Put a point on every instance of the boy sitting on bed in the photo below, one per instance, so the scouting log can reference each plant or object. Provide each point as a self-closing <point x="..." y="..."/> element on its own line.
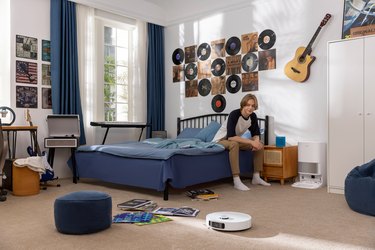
<point x="229" y="135"/>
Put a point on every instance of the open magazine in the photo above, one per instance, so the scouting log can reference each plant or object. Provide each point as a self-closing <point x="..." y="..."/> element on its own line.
<point x="177" y="211"/>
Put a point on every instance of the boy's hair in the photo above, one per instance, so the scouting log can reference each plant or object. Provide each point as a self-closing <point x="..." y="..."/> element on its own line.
<point x="248" y="97"/>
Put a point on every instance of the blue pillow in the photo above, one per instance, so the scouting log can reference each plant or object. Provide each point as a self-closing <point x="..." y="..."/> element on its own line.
<point x="189" y="133"/>
<point x="208" y="133"/>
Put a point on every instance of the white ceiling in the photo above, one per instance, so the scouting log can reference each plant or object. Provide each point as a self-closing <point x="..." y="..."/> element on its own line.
<point x="164" y="12"/>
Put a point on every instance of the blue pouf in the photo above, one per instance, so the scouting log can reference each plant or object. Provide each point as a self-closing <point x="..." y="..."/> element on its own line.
<point x="360" y="188"/>
<point x="83" y="212"/>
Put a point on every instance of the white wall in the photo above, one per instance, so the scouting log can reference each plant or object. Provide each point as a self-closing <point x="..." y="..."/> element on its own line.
<point x="299" y="108"/>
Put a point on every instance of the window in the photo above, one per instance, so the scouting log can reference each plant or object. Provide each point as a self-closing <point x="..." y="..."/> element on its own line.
<point x="115" y="48"/>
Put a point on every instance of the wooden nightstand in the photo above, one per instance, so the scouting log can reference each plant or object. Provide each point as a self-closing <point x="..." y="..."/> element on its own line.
<point x="280" y="163"/>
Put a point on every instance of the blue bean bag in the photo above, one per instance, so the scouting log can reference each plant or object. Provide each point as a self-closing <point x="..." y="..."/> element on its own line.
<point x="83" y="212"/>
<point x="360" y="188"/>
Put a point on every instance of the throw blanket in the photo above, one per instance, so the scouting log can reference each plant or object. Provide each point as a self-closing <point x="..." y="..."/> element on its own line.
<point x="157" y="148"/>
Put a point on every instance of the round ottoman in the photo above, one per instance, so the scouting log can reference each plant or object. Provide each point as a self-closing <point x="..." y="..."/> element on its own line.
<point x="83" y="212"/>
<point x="360" y="188"/>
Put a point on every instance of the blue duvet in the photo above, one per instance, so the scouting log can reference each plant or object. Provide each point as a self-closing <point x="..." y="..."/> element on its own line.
<point x="156" y="148"/>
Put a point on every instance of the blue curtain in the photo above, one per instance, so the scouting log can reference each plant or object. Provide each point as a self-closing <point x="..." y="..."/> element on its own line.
<point x="155" y="78"/>
<point x="64" y="61"/>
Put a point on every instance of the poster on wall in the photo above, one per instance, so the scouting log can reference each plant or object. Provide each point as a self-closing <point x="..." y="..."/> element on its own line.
<point x="267" y="59"/>
<point x="26" y="97"/>
<point x="359" y="18"/>
<point x="26" y="47"/>
<point x="191" y="88"/>
<point x="178" y="73"/>
<point x="46" y="98"/>
<point x="46" y="50"/>
<point x="249" y="42"/>
<point x="46" y="74"/>
<point x="250" y="82"/>
<point x="26" y="72"/>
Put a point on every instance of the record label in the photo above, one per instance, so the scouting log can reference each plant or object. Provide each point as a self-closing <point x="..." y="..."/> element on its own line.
<point x="218" y="103"/>
<point x="233" y="84"/>
<point x="178" y="56"/>
<point x="218" y="67"/>
<point x="191" y="71"/>
<point x="204" y="51"/>
<point x="204" y="87"/>
<point x="249" y="62"/>
<point x="266" y="39"/>
<point x="233" y="45"/>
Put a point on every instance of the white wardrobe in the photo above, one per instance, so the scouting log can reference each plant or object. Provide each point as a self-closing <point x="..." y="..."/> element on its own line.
<point x="351" y="107"/>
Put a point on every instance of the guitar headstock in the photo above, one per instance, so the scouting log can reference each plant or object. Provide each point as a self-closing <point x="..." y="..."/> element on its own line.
<point x="325" y="20"/>
<point x="28" y="117"/>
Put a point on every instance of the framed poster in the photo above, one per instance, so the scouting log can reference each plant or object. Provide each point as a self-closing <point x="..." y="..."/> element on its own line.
<point x="46" y="74"/>
<point x="46" y="98"/>
<point x="26" y="47"/>
<point x="26" y="97"/>
<point x="46" y="50"/>
<point x="26" y="72"/>
<point x="359" y="18"/>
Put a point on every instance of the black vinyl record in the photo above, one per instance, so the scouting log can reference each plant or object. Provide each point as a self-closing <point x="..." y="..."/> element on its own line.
<point x="218" y="103"/>
<point x="191" y="71"/>
<point x="218" y="67"/>
<point x="233" y="84"/>
<point x="249" y="62"/>
<point x="233" y="45"/>
<point x="204" y="51"/>
<point x="266" y="39"/>
<point x="204" y="87"/>
<point x="178" y="56"/>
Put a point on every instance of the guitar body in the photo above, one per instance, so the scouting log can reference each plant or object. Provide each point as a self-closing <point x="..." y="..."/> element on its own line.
<point x="298" y="69"/>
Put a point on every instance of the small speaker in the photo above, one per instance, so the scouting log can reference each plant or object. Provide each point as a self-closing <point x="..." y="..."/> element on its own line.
<point x="60" y="142"/>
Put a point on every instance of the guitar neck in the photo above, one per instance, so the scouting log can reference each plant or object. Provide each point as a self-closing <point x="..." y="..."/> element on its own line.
<point x="309" y="46"/>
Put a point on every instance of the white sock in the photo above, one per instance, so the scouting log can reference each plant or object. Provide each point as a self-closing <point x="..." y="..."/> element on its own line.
<point x="257" y="180"/>
<point x="239" y="185"/>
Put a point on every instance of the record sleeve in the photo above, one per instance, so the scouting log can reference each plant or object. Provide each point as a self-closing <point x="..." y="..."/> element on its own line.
<point x="266" y="39"/>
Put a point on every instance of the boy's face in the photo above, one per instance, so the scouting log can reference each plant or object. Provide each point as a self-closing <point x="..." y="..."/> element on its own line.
<point x="248" y="108"/>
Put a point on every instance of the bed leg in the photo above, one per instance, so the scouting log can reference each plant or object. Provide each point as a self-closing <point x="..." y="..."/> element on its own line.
<point x="166" y="190"/>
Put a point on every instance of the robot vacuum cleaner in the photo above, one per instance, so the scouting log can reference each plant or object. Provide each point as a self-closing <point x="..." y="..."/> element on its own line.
<point x="228" y="221"/>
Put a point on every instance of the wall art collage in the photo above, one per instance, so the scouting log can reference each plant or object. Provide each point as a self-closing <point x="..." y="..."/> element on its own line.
<point x="27" y="73"/>
<point x="223" y="66"/>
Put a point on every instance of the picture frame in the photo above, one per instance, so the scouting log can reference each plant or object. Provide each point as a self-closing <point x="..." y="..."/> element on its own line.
<point x="26" y="47"/>
<point x="358" y="18"/>
<point x="26" y="97"/>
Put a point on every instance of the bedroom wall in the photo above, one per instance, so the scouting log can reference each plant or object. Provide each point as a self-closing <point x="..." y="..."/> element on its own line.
<point x="299" y="108"/>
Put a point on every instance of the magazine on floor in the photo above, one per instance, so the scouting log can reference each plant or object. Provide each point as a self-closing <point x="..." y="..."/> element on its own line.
<point x="134" y="203"/>
<point x="177" y="211"/>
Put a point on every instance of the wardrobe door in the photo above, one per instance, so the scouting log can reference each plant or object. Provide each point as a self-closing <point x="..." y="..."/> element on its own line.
<point x="369" y="92"/>
<point x="345" y="110"/>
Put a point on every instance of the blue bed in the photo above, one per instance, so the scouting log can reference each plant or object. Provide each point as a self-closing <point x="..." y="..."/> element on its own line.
<point x="178" y="170"/>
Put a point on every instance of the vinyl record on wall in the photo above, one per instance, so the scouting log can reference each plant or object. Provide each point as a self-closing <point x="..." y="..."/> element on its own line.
<point x="191" y="71"/>
<point x="218" y="103"/>
<point x="233" y="84"/>
<point x="249" y="62"/>
<point x="204" y="87"/>
<point x="204" y="51"/>
<point x="233" y="46"/>
<point x="178" y="56"/>
<point x="266" y="39"/>
<point x="218" y="67"/>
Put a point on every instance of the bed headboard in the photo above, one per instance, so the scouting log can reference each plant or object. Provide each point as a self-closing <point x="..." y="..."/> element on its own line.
<point x="203" y="120"/>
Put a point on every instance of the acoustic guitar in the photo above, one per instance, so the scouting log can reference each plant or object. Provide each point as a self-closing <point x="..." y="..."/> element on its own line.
<point x="298" y="69"/>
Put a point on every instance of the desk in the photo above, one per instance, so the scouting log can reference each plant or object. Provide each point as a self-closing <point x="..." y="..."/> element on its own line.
<point x="109" y="125"/>
<point x="12" y="141"/>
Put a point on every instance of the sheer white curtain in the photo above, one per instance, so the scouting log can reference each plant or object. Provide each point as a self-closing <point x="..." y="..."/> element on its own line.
<point x="87" y="67"/>
<point x="88" y="77"/>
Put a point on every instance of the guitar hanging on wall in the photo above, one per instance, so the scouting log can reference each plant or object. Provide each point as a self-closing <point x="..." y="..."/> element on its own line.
<point x="298" y="69"/>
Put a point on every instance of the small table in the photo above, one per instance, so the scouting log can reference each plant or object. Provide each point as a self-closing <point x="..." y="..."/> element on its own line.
<point x="12" y="140"/>
<point x="109" y="125"/>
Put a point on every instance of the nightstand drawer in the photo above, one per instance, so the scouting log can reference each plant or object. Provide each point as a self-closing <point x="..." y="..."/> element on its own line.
<point x="272" y="171"/>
